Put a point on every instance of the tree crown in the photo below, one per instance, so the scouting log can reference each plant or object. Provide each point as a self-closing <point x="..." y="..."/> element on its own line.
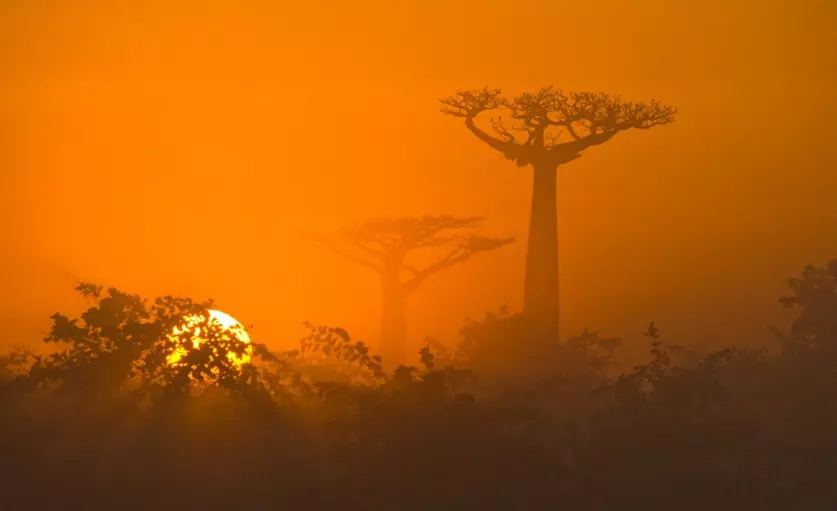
<point x="383" y="243"/>
<point x="555" y="126"/>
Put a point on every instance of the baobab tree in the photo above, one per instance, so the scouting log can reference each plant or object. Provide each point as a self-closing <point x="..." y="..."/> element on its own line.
<point x="383" y="246"/>
<point x="548" y="129"/>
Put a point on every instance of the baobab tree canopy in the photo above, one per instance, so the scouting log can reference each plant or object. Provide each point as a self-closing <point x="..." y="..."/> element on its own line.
<point x="385" y="243"/>
<point x="550" y="127"/>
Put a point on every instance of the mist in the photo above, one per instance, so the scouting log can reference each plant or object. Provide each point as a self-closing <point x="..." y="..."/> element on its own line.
<point x="181" y="148"/>
<point x="253" y="121"/>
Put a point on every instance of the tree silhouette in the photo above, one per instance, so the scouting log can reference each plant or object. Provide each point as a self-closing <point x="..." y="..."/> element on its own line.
<point x="555" y="128"/>
<point x="815" y="295"/>
<point x="122" y="338"/>
<point x="383" y="244"/>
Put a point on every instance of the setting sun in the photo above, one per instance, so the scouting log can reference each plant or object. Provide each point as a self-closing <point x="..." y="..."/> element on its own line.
<point x="194" y="324"/>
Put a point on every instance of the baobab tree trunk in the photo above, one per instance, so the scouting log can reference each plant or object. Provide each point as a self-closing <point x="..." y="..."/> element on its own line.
<point x="540" y="295"/>
<point x="393" y="322"/>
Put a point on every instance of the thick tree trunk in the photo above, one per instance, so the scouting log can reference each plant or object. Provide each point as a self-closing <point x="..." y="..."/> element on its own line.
<point x="393" y="322"/>
<point x="540" y="295"/>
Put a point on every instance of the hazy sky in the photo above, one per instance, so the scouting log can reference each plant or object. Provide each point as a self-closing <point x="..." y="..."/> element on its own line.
<point x="168" y="147"/>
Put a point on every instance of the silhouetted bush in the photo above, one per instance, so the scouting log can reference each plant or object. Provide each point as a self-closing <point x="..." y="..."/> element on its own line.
<point x="507" y="420"/>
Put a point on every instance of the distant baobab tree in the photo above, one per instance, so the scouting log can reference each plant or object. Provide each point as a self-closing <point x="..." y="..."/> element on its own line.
<point x="555" y="128"/>
<point x="383" y="244"/>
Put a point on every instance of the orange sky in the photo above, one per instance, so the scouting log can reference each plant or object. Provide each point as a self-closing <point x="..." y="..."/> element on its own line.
<point x="174" y="146"/>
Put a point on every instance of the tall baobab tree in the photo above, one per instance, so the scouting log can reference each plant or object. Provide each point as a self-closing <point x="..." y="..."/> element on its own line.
<point x="548" y="129"/>
<point x="383" y="245"/>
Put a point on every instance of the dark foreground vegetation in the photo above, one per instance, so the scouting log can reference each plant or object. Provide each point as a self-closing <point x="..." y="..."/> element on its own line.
<point x="501" y="422"/>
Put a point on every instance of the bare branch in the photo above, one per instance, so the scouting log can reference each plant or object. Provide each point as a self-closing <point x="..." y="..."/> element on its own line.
<point x="334" y="248"/>
<point x="436" y="241"/>
<point x="384" y="237"/>
<point x="470" y="103"/>
<point x="366" y="241"/>
<point x="500" y="129"/>
<point x="377" y="253"/>
<point x="510" y="149"/>
<point x="588" y="141"/>
<point x="534" y="109"/>
<point x="602" y="116"/>
<point x="552" y="138"/>
<point x="572" y="132"/>
<point x="610" y="113"/>
<point x="374" y="232"/>
<point x="396" y="237"/>
<point x="467" y="247"/>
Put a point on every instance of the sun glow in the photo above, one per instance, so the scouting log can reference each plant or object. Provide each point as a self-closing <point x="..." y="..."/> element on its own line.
<point x="226" y="322"/>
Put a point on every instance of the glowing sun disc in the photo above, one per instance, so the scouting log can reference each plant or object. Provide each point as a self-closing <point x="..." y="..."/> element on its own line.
<point x="193" y="325"/>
